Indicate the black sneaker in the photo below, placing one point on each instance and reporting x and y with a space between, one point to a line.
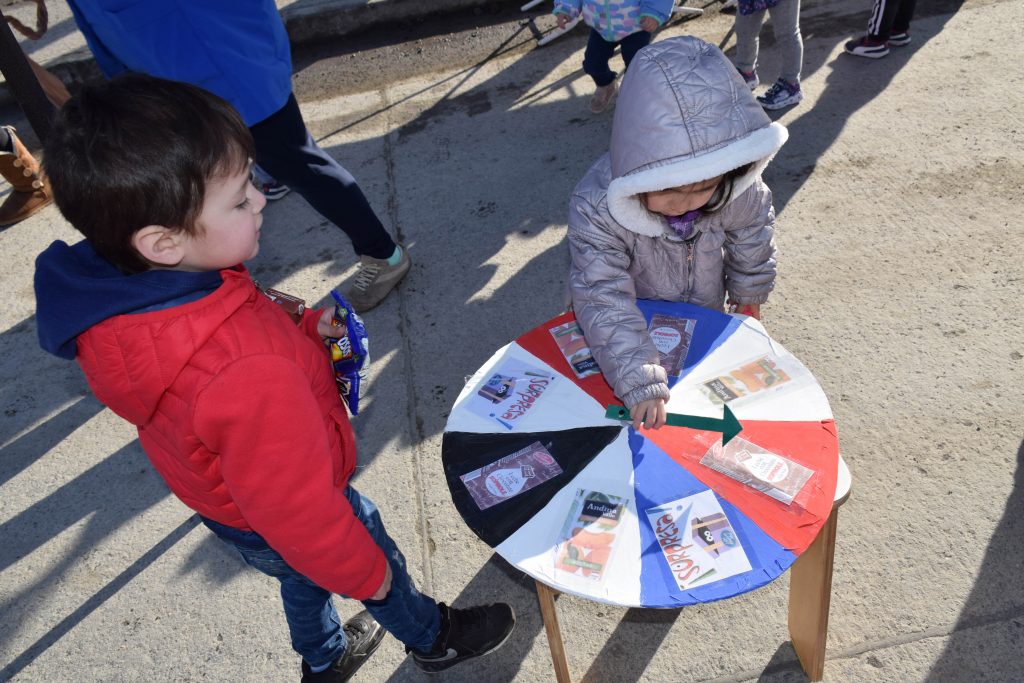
364 635
467 633
900 39
866 46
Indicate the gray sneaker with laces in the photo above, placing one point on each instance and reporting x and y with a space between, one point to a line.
375 280
363 636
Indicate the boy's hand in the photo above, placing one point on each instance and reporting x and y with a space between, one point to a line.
324 327
382 592
652 412
562 19
649 24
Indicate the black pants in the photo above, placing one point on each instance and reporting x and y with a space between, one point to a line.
890 16
599 51
288 152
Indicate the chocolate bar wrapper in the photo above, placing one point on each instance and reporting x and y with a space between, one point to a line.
569 338
760 469
508 477
671 336
767 373
589 533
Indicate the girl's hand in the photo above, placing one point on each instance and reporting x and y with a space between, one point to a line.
753 310
652 412
649 24
562 19
324 327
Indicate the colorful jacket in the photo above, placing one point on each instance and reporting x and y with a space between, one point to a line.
237 50
615 19
684 115
236 407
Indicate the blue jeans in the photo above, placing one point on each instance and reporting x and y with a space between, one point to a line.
599 51
314 625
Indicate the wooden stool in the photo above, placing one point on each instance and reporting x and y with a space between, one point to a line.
810 594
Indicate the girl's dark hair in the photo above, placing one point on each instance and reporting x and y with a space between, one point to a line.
136 151
723 193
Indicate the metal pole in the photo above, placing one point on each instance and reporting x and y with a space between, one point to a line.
23 83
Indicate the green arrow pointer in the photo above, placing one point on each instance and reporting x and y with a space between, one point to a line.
729 426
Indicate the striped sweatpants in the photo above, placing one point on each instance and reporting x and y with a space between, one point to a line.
888 17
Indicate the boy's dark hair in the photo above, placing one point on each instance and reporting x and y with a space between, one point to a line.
723 193
136 151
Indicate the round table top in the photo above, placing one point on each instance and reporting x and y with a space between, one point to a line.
651 518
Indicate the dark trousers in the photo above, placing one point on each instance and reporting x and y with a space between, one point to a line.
890 16
599 52
286 150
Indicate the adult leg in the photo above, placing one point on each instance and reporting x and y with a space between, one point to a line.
288 152
786 26
595 59
748 30
632 44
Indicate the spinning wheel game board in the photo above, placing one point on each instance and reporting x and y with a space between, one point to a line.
651 518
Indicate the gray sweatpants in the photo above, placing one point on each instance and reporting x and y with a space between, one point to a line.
786 24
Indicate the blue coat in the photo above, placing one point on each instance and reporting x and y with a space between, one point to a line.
237 49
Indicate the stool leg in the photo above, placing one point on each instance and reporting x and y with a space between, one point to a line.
810 592
548 612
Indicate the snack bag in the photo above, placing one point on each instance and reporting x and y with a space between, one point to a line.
349 353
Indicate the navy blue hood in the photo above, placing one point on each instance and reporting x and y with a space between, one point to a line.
77 288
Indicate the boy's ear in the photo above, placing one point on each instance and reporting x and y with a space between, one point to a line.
160 245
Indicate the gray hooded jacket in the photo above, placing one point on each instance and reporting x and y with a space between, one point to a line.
684 115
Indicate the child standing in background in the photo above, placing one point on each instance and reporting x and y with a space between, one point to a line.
786 25
889 25
626 23
675 211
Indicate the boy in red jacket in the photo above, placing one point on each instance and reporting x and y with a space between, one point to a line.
236 405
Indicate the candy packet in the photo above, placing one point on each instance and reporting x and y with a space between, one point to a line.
350 353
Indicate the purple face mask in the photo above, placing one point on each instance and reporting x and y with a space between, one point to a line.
683 225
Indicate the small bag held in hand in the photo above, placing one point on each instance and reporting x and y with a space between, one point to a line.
349 353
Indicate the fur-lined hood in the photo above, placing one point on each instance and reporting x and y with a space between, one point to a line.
668 132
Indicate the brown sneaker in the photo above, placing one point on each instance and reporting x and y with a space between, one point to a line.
602 97
376 279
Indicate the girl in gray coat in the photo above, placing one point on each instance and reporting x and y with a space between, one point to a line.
676 210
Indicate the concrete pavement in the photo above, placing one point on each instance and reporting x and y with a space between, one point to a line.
898 198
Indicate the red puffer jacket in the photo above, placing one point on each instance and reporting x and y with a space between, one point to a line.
237 408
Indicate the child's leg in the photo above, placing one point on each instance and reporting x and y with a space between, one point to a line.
595 59
632 44
786 25
904 13
313 623
407 614
748 30
881 21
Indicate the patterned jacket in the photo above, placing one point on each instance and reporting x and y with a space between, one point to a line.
615 19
